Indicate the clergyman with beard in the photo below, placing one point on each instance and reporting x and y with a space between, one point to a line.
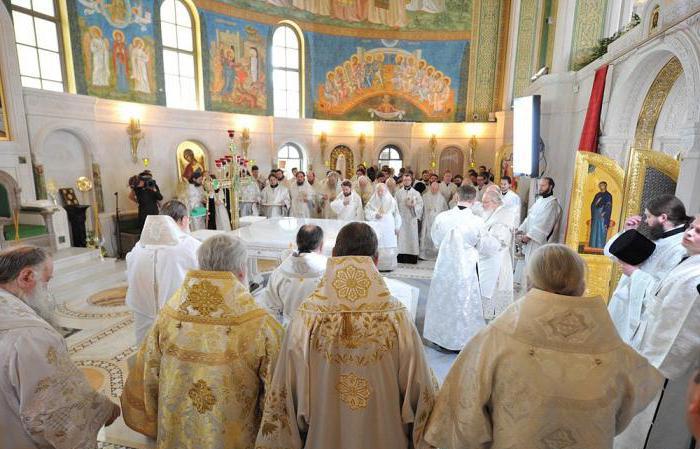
665 219
45 400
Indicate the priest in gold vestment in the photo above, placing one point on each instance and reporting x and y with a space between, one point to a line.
549 372
202 373
352 372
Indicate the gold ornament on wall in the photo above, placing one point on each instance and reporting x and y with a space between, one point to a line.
85 185
361 144
432 143
135 137
245 142
323 144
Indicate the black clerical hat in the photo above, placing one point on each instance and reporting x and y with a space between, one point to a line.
632 247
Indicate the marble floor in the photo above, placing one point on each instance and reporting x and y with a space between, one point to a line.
89 293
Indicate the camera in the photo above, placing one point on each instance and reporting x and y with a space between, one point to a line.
146 177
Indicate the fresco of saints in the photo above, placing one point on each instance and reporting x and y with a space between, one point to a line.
229 65
254 65
139 66
99 51
388 12
193 165
330 92
601 209
119 60
431 6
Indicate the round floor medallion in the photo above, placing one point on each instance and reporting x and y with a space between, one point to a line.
112 297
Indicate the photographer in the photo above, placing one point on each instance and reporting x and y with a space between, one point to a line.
145 193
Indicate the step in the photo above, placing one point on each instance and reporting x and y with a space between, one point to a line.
64 259
90 269
72 291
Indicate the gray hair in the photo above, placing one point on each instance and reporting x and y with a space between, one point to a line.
465 192
15 259
493 196
223 253
557 269
175 209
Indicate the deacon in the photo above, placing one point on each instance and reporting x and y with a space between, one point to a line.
201 375
511 200
542 223
45 400
496 270
296 277
433 205
157 265
383 210
410 204
670 340
250 197
274 198
454 313
352 372
666 219
348 205
302 196
551 373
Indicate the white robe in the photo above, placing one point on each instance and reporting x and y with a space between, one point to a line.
549 373
45 400
496 270
448 190
196 198
629 301
388 224
511 200
292 282
302 197
99 48
139 69
433 205
410 204
275 202
223 221
542 226
352 211
454 312
155 269
332 192
250 198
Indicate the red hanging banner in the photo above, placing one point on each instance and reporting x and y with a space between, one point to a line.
591 126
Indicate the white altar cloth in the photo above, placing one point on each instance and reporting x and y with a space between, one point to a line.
273 238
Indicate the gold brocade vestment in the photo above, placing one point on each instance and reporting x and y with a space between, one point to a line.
352 372
201 375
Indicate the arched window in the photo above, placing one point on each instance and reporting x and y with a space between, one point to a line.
391 156
177 35
290 156
39 46
286 72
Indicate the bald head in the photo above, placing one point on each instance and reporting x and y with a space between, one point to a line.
310 239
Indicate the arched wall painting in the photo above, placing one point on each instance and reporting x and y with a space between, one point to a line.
346 152
116 55
452 159
596 205
191 157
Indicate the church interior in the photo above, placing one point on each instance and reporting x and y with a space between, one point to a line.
95 93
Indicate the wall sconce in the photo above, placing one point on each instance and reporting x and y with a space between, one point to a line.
323 143
473 144
433 150
135 136
361 143
245 142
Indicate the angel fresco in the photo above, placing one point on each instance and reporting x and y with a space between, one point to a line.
99 56
601 210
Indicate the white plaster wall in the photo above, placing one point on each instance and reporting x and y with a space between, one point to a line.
98 127
66 161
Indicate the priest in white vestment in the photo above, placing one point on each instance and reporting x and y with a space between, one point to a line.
511 200
302 196
541 225
364 189
454 312
670 340
496 270
250 197
447 187
196 202
158 263
297 277
352 372
348 205
45 400
410 204
383 209
274 198
550 372
433 205
666 218
329 192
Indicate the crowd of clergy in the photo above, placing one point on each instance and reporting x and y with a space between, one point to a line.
325 355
